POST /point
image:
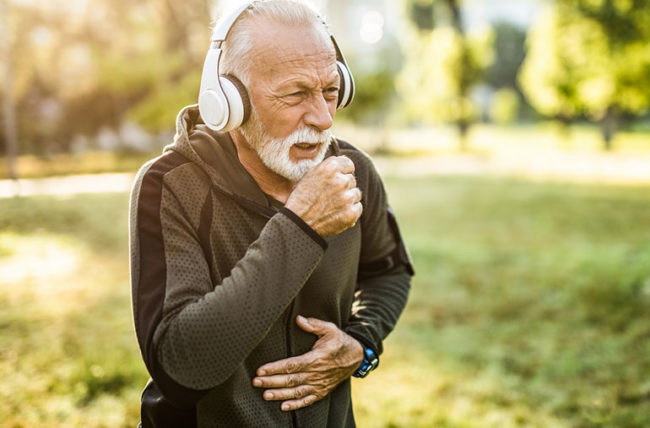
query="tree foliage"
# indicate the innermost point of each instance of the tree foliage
(374, 91)
(79, 70)
(442, 66)
(439, 66)
(374, 81)
(590, 58)
(509, 54)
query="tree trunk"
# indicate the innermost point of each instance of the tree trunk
(608, 127)
(463, 128)
(564, 130)
(456, 17)
(8, 109)
(380, 134)
(463, 123)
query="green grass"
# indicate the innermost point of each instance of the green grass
(485, 140)
(529, 309)
(91, 162)
(68, 356)
(490, 139)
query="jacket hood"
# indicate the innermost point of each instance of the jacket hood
(215, 153)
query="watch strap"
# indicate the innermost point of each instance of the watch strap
(369, 363)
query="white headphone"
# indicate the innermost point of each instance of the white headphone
(223, 100)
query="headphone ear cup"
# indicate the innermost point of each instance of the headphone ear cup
(213, 108)
(226, 107)
(242, 100)
(346, 86)
(213, 105)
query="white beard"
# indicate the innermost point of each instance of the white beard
(274, 152)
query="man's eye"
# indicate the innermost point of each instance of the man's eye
(331, 93)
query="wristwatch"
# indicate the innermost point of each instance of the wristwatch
(370, 362)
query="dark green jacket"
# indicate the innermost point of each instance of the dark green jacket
(220, 270)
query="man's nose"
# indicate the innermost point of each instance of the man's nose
(318, 116)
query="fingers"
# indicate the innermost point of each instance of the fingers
(300, 396)
(353, 212)
(348, 180)
(327, 197)
(304, 324)
(301, 381)
(288, 393)
(340, 168)
(297, 404)
(353, 195)
(341, 163)
(280, 381)
(358, 209)
(315, 326)
(288, 365)
(352, 181)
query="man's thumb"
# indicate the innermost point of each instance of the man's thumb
(312, 325)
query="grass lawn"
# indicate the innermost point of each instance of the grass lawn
(487, 141)
(529, 309)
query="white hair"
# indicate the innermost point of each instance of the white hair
(236, 58)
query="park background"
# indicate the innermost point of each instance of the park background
(514, 141)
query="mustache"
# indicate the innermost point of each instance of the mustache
(308, 135)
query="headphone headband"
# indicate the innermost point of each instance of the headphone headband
(225, 24)
(224, 105)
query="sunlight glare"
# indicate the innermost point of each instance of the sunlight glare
(41, 36)
(37, 260)
(372, 27)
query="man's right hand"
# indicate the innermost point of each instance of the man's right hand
(327, 197)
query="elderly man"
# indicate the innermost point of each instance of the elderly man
(266, 265)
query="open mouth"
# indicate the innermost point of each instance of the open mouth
(306, 146)
(305, 150)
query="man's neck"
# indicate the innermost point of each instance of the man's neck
(270, 182)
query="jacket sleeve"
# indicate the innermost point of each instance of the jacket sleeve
(385, 267)
(193, 333)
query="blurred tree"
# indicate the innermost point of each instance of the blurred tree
(421, 14)
(509, 53)
(9, 137)
(505, 105)
(590, 58)
(375, 93)
(184, 28)
(375, 59)
(150, 70)
(442, 66)
(374, 79)
(79, 70)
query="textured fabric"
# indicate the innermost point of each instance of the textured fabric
(220, 271)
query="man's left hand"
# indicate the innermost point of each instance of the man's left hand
(301, 381)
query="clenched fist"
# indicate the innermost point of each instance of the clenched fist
(327, 197)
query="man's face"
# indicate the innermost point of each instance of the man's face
(294, 90)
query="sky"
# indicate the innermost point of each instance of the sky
(477, 13)
(367, 21)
